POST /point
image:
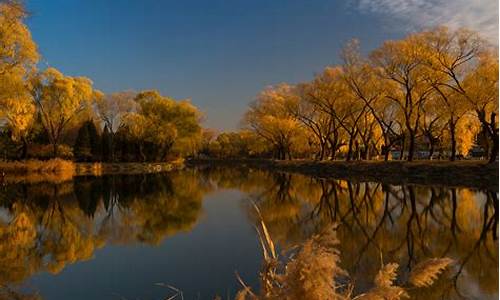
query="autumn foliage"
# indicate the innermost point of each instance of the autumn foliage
(432, 94)
(48, 114)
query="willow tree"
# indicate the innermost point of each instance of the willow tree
(365, 86)
(270, 118)
(59, 99)
(481, 90)
(331, 94)
(402, 63)
(18, 58)
(18, 52)
(163, 123)
(452, 55)
(135, 127)
(320, 124)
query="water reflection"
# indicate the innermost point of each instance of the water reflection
(46, 226)
(50, 225)
(404, 224)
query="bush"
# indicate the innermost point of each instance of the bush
(44, 152)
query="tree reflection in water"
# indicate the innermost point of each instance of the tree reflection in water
(405, 224)
(46, 226)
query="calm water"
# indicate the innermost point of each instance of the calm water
(127, 236)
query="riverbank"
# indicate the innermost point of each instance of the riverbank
(475, 174)
(59, 170)
(37, 166)
(97, 169)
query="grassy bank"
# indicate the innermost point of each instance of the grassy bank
(127, 168)
(37, 166)
(475, 174)
(59, 170)
(54, 170)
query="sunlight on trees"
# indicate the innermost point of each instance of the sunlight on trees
(59, 99)
(47, 107)
(161, 125)
(432, 94)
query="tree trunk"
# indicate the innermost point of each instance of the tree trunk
(55, 151)
(111, 147)
(403, 144)
(141, 153)
(491, 132)
(24, 150)
(386, 152)
(494, 149)
(494, 137)
(366, 153)
(431, 149)
(453, 140)
(349, 149)
(333, 147)
(411, 147)
(323, 150)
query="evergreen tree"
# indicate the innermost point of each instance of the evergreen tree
(82, 148)
(107, 147)
(95, 141)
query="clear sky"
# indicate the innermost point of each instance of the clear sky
(221, 54)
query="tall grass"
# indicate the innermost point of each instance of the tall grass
(314, 273)
(37, 166)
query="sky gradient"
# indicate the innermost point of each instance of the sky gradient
(220, 54)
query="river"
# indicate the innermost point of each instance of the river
(146, 236)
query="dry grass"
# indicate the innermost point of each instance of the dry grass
(36, 177)
(425, 273)
(37, 166)
(314, 273)
(97, 169)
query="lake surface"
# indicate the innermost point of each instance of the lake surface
(129, 236)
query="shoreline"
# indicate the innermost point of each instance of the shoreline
(96, 169)
(57, 170)
(472, 174)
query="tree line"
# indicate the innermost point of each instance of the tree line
(46, 113)
(432, 92)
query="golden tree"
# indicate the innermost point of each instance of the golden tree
(59, 99)
(270, 118)
(481, 90)
(402, 63)
(18, 58)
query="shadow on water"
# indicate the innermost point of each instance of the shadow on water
(47, 226)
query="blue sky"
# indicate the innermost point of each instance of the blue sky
(221, 54)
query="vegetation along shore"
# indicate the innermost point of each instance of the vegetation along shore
(430, 95)
(476, 174)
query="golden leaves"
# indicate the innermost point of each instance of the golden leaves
(165, 122)
(18, 50)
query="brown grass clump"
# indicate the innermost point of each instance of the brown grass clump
(33, 171)
(425, 273)
(314, 273)
(387, 275)
(384, 288)
(56, 165)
